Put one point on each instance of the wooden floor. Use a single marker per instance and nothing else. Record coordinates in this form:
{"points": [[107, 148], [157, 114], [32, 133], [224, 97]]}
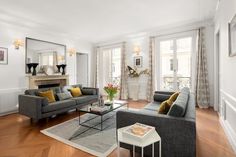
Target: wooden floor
{"points": [[18, 137]]}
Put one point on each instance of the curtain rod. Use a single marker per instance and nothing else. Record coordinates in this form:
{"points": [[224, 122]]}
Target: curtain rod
{"points": [[176, 32], [111, 44]]}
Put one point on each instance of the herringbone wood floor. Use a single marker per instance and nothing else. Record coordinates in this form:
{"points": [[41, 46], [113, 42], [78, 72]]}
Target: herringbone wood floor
{"points": [[20, 138]]}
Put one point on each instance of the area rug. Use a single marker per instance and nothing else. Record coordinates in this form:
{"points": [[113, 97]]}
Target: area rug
{"points": [[92, 141]]}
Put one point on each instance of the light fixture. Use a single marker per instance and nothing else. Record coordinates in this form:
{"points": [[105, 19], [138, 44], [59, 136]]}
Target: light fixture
{"points": [[17, 43], [72, 51], [137, 49]]}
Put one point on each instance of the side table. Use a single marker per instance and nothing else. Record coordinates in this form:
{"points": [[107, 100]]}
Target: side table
{"points": [[151, 140]]}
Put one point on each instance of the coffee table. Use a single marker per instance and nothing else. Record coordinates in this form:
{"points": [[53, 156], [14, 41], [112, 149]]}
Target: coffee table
{"points": [[87, 109]]}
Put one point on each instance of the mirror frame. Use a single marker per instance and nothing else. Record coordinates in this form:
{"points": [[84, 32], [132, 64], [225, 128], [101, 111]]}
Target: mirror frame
{"points": [[26, 48]]}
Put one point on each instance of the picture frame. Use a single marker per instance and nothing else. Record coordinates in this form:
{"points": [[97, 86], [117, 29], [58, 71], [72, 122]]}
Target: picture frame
{"points": [[232, 37], [138, 61], [3, 55]]}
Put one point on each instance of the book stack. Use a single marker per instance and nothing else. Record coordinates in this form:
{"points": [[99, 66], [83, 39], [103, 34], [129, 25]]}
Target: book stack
{"points": [[138, 132], [99, 108]]}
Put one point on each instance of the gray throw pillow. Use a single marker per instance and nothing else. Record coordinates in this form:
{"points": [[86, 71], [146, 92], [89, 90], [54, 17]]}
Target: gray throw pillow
{"points": [[87, 91], [64, 96]]}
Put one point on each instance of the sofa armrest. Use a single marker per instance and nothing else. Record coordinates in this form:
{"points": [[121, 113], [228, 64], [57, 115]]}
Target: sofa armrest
{"points": [[90, 91], [177, 134], [164, 92], [31, 106]]}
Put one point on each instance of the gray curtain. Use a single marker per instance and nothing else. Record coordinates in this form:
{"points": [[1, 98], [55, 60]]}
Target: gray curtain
{"points": [[202, 83], [124, 77]]}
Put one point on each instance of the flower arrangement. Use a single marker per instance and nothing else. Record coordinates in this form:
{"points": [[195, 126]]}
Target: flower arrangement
{"points": [[134, 72], [111, 91]]}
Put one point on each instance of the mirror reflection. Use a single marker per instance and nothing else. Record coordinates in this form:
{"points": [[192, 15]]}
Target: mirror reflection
{"points": [[47, 54]]}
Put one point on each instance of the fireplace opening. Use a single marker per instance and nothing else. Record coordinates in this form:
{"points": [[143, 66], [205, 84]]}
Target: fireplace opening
{"points": [[49, 85]]}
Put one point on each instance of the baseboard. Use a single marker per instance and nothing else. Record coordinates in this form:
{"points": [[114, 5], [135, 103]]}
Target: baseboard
{"points": [[9, 112]]}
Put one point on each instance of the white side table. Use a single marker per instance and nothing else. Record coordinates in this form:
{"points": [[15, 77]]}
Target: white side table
{"points": [[151, 140]]}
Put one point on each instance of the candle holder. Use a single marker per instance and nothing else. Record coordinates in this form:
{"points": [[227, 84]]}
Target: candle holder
{"points": [[34, 65], [29, 66], [58, 68], [63, 66]]}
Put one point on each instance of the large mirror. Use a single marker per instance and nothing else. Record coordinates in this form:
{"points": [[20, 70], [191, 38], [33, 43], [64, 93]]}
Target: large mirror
{"points": [[47, 54]]}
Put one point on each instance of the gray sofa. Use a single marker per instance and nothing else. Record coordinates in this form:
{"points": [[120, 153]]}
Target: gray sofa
{"points": [[36, 107], [177, 129]]}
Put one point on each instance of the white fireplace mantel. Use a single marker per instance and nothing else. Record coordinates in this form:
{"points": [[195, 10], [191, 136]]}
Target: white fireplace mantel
{"points": [[35, 81]]}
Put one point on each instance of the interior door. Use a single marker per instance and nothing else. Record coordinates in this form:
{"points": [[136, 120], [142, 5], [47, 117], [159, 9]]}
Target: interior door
{"points": [[82, 69]]}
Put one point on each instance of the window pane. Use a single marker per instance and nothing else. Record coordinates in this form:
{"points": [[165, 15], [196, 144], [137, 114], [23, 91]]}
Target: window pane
{"points": [[184, 49], [166, 60]]}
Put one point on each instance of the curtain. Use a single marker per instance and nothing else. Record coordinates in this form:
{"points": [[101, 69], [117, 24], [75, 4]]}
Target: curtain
{"points": [[202, 83], [96, 79], [152, 83], [103, 68], [55, 61], [124, 76]]}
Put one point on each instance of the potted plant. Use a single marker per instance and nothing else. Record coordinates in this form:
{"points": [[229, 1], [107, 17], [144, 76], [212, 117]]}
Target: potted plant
{"points": [[111, 91]]}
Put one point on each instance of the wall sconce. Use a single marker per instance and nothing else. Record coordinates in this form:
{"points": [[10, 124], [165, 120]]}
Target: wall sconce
{"points": [[72, 52], [17, 43], [137, 50]]}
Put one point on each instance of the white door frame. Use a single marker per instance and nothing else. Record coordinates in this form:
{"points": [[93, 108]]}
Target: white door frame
{"points": [[217, 70]]}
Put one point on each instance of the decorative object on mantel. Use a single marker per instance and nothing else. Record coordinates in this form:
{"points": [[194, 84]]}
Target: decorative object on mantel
{"points": [[3, 55], [63, 66], [232, 37], [111, 91], [72, 52], [58, 68], [133, 72], [138, 61], [137, 49], [34, 65], [29, 66], [18, 43]]}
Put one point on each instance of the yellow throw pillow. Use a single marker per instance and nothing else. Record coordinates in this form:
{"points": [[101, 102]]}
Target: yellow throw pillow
{"points": [[173, 97], [75, 92], [49, 95], [164, 107]]}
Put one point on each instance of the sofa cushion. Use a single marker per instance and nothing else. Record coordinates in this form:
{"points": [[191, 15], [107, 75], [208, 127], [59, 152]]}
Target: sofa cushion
{"points": [[88, 91], [84, 99], [35, 91], [64, 96], [179, 106], [49, 95], [172, 98], [75, 92], [58, 105], [153, 106], [160, 97], [164, 107]]}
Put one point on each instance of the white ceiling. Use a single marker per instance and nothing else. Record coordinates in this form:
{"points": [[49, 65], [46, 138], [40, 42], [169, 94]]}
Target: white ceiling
{"points": [[99, 20]]}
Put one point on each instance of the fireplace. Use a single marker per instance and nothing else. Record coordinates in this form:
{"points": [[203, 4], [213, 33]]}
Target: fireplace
{"points": [[48, 81], [48, 85]]}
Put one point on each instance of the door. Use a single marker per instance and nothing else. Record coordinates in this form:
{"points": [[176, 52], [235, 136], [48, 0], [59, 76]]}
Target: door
{"points": [[82, 69], [175, 61]]}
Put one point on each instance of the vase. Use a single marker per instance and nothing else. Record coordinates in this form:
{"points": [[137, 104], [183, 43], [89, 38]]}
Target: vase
{"points": [[29, 66], [63, 66], [58, 68], [34, 65], [110, 98]]}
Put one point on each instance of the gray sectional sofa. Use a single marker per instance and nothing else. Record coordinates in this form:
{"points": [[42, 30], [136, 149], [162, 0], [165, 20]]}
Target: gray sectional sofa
{"points": [[36, 107], [177, 129]]}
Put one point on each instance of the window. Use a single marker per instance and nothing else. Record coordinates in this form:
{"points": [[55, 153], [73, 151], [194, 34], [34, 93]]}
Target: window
{"points": [[175, 53]]}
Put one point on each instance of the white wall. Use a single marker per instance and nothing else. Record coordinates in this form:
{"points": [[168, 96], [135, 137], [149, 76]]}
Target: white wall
{"points": [[142, 39], [12, 75], [224, 14]]}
